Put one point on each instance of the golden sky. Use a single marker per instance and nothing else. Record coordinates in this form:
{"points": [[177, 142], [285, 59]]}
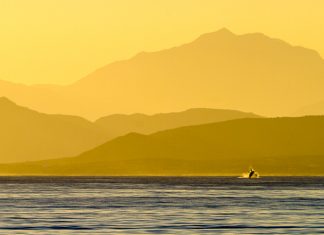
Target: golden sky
{"points": [[60, 41]]}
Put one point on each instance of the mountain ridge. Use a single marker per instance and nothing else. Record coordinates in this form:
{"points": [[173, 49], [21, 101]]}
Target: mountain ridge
{"points": [[121, 124], [28, 134], [218, 70], [31, 135], [274, 146]]}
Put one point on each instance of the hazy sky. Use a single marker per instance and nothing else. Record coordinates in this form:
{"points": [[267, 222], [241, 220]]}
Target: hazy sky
{"points": [[60, 41]]}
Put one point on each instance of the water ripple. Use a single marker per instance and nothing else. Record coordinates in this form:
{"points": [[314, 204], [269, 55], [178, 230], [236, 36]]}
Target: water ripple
{"points": [[161, 205]]}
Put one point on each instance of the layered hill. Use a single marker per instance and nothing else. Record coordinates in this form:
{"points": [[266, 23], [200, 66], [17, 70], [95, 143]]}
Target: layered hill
{"points": [[250, 72], [120, 124], [274, 146], [29, 135]]}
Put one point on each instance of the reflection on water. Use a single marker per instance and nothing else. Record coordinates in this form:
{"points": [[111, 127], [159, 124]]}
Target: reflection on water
{"points": [[155, 205]]}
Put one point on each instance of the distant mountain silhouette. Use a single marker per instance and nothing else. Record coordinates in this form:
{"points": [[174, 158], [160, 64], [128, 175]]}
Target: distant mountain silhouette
{"points": [[120, 124], [277, 146], [29, 135], [250, 72]]}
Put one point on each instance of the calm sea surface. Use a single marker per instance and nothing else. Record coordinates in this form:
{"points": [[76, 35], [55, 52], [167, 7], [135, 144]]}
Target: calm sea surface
{"points": [[161, 205]]}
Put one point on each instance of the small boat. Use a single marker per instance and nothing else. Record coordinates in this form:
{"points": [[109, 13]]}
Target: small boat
{"points": [[252, 174]]}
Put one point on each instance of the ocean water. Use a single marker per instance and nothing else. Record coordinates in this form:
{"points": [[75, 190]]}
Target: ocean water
{"points": [[161, 205]]}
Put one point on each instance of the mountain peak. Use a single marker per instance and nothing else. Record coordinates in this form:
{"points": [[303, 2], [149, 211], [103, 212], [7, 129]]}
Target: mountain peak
{"points": [[222, 33]]}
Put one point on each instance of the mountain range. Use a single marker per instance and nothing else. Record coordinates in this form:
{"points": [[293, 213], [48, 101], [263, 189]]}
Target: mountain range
{"points": [[121, 124], [28, 135], [274, 146], [222, 70], [251, 72]]}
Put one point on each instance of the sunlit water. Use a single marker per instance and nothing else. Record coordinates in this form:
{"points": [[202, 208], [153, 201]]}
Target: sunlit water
{"points": [[270, 205]]}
